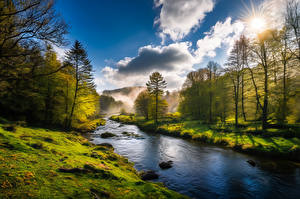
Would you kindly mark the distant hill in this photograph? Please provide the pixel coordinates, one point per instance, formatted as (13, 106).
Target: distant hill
(124, 91)
(126, 95)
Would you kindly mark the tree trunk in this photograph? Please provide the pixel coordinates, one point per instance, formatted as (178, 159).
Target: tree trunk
(156, 107)
(210, 97)
(243, 98)
(284, 102)
(67, 106)
(266, 91)
(237, 88)
(265, 107)
(75, 97)
(47, 103)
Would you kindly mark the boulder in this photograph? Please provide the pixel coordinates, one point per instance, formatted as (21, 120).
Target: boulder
(107, 135)
(108, 145)
(166, 165)
(251, 162)
(148, 175)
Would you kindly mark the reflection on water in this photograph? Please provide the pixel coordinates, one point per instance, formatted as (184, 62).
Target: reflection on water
(203, 171)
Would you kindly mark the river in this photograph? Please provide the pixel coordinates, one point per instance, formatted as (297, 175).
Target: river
(200, 170)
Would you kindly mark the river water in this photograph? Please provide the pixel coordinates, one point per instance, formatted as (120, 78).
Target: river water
(203, 171)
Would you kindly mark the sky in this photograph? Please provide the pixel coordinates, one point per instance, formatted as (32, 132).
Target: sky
(127, 40)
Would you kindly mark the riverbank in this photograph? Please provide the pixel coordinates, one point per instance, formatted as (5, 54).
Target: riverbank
(89, 126)
(271, 144)
(42, 163)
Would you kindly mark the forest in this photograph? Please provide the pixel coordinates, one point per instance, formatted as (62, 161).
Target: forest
(61, 138)
(36, 87)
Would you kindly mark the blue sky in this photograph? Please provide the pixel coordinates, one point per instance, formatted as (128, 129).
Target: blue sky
(112, 30)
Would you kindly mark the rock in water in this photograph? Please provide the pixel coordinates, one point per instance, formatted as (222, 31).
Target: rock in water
(107, 135)
(166, 165)
(251, 162)
(108, 145)
(148, 175)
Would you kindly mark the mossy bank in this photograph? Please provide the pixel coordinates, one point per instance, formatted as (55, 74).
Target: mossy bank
(273, 143)
(41, 163)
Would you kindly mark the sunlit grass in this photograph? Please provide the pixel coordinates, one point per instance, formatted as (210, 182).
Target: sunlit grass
(249, 138)
(30, 159)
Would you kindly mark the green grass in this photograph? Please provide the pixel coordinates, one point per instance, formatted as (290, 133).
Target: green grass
(30, 159)
(89, 126)
(274, 142)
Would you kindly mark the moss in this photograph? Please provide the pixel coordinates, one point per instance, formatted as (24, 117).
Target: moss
(31, 159)
(249, 138)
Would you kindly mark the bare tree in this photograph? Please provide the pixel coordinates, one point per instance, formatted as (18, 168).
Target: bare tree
(262, 55)
(234, 70)
(24, 26)
(292, 21)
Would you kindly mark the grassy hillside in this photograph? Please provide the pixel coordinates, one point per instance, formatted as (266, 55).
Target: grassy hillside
(274, 142)
(41, 163)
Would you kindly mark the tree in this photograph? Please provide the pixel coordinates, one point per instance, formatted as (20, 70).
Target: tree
(244, 45)
(292, 21)
(155, 87)
(28, 21)
(212, 73)
(77, 57)
(262, 54)
(52, 87)
(234, 70)
(25, 25)
(142, 103)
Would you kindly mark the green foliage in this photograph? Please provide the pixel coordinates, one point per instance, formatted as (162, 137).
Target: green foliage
(86, 99)
(260, 83)
(155, 87)
(201, 94)
(162, 108)
(48, 99)
(142, 103)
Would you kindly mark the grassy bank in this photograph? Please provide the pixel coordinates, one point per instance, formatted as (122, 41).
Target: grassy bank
(274, 142)
(41, 163)
(89, 126)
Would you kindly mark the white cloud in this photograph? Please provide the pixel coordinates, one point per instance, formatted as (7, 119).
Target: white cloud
(99, 83)
(173, 61)
(177, 17)
(222, 34)
(60, 52)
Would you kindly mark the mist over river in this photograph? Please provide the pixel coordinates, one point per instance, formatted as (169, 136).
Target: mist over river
(200, 170)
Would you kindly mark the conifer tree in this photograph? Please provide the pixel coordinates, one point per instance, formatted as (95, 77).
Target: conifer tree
(155, 87)
(77, 57)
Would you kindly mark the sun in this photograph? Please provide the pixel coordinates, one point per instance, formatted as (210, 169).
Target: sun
(258, 24)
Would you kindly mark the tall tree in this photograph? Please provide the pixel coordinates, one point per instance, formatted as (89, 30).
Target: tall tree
(212, 73)
(156, 86)
(244, 45)
(234, 70)
(292, 22)
(262, 54)
(77, 57)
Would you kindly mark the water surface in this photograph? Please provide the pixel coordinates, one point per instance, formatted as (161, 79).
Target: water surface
(203, 171)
